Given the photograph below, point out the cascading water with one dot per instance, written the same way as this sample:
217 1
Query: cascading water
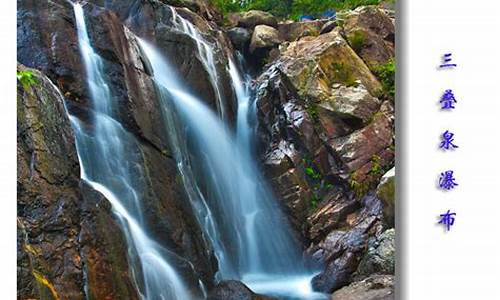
206 55
238 213
110 162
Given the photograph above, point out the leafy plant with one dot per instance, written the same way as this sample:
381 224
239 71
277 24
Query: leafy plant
313 174
386 73
376 169
315 200
360 188
26 78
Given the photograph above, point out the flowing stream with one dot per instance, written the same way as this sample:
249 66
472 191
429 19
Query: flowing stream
237 211
110 162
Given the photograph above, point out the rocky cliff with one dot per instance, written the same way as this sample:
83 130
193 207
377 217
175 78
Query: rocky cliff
325 132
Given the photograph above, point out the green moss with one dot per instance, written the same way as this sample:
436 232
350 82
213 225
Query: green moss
27 78
342 74
359 188
357 40
313 174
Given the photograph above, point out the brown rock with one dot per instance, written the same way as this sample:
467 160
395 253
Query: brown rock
292 31
234 290
61 235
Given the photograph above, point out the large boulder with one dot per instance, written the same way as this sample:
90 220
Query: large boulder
252 18
68 239
292 31
371 33
314 64
264 37
381 255
234 290
376 287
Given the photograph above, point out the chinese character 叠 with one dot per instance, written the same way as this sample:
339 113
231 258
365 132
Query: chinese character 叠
447 219
447 181
446 61
447 100
448 141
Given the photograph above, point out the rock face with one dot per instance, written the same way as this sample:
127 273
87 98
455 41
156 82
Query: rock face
376 287
67 236
234 290
53 38
326 140
240 38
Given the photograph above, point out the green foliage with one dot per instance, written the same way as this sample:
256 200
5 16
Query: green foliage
376 169
386 73
313 174
26 78
343 74
315 200
312 110
357 40
290 8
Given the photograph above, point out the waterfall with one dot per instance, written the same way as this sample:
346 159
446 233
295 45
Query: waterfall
240 217
111 161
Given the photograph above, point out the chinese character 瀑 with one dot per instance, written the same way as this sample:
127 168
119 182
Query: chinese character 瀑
447 181
447 141
447 100
447 61
447 219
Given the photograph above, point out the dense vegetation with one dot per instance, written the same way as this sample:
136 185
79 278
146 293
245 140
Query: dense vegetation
290 8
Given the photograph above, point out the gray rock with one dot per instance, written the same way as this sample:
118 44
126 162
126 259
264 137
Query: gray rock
234 290
380 257
252 18
386 192
376 287
264 37
240 37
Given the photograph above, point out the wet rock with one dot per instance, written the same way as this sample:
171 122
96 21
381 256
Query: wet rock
240 37
386 192
381 255
252 18
371 33
376 287
328 26
172 223
264 37
234 290
292 31
63 236
337 274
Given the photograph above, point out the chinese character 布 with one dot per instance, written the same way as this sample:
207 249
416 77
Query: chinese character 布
447 181
447 61
447 219
447 141
447 100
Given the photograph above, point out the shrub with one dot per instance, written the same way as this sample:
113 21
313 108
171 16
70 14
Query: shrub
386 73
